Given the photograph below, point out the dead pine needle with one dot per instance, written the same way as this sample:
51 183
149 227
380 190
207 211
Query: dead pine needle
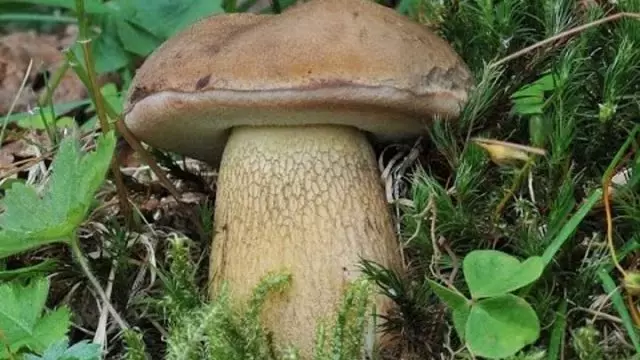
564 34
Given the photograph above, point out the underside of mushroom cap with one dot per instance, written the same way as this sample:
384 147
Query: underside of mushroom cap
350 62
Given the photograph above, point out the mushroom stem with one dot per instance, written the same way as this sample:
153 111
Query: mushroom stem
305 199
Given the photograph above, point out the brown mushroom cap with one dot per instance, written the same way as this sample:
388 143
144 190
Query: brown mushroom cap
349 62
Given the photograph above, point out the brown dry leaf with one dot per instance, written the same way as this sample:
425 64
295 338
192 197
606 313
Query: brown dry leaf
10 150
504 153
16 51
30 145
6 159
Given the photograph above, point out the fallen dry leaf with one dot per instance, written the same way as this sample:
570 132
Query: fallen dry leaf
16 51
504 153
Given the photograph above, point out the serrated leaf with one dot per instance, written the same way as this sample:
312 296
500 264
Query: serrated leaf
493 273
52 327
500 327
30 221
21 320
60 350
36 121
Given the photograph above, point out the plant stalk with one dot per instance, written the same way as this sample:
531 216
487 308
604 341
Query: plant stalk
84 264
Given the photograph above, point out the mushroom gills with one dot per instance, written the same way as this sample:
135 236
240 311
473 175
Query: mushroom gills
304 199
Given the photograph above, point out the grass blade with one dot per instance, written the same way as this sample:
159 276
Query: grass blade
618 303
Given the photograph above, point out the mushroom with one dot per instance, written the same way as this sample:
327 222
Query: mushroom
287 106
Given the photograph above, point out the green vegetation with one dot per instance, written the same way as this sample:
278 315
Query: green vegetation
512 252
494 323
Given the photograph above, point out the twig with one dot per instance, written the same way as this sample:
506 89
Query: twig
146 157
100 337
77 253
596 314
455 262
563 34
617 163
21 165
607 208
97 98
15 100
27 164
514 186
47 98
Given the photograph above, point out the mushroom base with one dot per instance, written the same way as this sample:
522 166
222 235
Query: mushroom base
308 200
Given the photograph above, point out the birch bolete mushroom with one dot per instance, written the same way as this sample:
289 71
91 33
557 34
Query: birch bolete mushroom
286 105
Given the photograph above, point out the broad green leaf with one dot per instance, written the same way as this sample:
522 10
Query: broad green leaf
134 40
60 108
164 18
30 221
529 99
453 299
51 328
21 319
459 305
492 273
112 96
109 55
60 350
37 122
460 317
405 6
90 6
500 327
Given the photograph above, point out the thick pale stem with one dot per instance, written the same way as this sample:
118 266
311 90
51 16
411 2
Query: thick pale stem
305 199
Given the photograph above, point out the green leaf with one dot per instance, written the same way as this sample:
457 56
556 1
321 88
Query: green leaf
500 327
453 299
492 273
112 97
459 305
91 6
25 271
109 55
164 18
60 350
557 341
611 288
529 99
460 318
60 108
569 228
30 221
135 40
37 122
21 320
